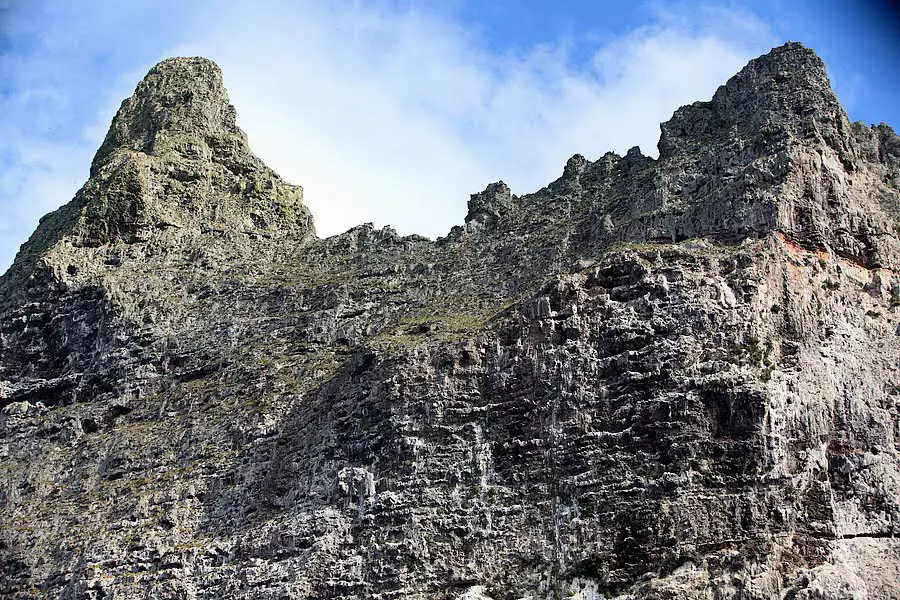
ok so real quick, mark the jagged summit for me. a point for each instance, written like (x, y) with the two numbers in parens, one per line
(180, 101)
(186, 164)
(174, 174)
(174, 158)
(772, 151)
(783, 79)
(784, 92)
(654, 379)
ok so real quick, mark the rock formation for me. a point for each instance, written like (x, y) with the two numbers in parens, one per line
(654, 378)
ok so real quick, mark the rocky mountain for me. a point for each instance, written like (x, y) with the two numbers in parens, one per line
(654, 378)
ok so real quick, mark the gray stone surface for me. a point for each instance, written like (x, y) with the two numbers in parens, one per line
(670, 378)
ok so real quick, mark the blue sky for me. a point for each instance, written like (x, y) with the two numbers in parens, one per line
(859, 40)
(395, 111)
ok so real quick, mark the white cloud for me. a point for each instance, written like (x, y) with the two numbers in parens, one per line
(396, 115)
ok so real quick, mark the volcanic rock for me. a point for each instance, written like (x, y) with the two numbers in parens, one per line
(653, 378)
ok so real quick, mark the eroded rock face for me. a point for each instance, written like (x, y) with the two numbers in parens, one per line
(174, 176)
(672, 378)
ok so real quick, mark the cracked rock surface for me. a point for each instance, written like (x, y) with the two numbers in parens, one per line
(653, 378)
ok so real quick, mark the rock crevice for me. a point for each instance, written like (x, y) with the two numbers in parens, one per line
(670, 378)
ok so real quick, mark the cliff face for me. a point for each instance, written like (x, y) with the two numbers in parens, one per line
(671, 378)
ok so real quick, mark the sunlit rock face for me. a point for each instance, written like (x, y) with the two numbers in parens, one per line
(671, 378)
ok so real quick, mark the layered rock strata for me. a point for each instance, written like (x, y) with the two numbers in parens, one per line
(654, 378)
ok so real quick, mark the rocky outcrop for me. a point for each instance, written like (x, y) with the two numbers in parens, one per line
(174, 175)
(669, 378)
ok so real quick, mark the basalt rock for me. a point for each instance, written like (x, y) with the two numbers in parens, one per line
(654, 378)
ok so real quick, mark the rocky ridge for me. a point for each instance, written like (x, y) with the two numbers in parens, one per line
(669, 378)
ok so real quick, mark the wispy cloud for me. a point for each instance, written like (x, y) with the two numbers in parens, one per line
(385, 114)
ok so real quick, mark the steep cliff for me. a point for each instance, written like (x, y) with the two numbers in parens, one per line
(654, 378)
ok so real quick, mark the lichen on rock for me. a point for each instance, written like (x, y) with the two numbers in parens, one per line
(653, 378)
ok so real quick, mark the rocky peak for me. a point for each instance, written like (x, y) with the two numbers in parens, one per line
(783, 94)
(174, 174)
(575, 166)
(489, 205)
(789, 78)
(670, 378)
(181, 100)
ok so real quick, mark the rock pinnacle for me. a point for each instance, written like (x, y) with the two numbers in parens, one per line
(179, 98)
(174, 173)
